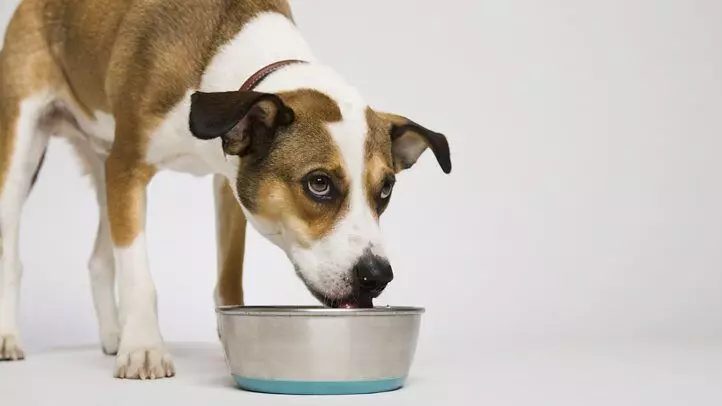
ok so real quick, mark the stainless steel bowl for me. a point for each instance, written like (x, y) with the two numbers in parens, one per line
(318, 350)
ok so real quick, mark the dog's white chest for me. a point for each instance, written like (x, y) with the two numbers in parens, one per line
(185, 163)
(173, 147)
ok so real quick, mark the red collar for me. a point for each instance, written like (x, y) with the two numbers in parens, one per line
(257, 77)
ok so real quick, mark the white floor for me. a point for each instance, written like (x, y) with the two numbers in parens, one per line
(624, 374)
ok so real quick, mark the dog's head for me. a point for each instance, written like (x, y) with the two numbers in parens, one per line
(314, 176)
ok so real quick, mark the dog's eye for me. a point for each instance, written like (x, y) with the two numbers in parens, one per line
(319, 186)
(387, 189)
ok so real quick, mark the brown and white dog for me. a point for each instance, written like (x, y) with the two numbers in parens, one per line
(139, 86)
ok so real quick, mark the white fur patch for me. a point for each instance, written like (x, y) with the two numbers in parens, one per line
(136, 287)
(102, 265)
(268, 38)
(97, 132)
(142, 351)
(28, 147)
(173, 147)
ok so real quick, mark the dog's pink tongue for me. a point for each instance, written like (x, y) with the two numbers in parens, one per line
(362, 303)
(349, 305)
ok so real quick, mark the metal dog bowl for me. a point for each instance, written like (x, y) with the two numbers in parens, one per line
(318, 350)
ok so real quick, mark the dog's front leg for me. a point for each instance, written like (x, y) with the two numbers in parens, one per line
(142, 353)
(231, 235)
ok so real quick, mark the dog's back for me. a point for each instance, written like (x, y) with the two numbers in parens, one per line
(91, 41)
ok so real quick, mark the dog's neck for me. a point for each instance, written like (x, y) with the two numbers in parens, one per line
(268, 38)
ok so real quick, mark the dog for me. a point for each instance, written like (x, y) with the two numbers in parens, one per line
(227, 88)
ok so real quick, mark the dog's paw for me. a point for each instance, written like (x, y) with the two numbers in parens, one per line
(110, 341)
(144, 363)
(10, 349)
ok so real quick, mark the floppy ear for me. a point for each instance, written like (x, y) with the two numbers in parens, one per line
(409, 140)
(246, 121)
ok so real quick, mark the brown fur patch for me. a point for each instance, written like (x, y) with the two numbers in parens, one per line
(8, 119)
(271, 186)
(93, 40)
(379, 161)
(305, 219)
(231, 231)
(127, 182)
(311, 104)
(293, 156)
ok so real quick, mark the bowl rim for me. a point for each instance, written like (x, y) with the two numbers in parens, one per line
(277, 310)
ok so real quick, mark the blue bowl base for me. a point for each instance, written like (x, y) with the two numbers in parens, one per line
(318, 388)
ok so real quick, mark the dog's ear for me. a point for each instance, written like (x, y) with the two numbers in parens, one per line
(246, 121)
(409, 140)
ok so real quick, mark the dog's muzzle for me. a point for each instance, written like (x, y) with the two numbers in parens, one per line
(367, 279)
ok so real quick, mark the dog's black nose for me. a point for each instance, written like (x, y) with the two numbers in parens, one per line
(373, 273)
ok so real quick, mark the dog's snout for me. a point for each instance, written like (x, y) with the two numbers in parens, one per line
(373, 273)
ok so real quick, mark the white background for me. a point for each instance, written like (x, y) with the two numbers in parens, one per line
(585, 201)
